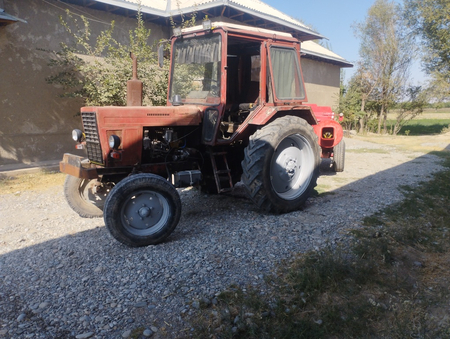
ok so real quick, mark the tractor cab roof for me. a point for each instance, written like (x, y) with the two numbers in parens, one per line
(261, 33)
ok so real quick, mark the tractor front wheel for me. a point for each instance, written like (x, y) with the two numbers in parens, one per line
(281, 164)
(339, 157)
(142, 210)
(85, 196)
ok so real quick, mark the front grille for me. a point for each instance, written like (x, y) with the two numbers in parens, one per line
(94, 149)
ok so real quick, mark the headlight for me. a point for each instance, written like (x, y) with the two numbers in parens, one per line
(114, 142)
(77, 135)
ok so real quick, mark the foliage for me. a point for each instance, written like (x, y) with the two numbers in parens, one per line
(381, 79)
(98, 72)
(430, 20)
(411, 108)
(184, 21)
(386, 55)
(350, 103)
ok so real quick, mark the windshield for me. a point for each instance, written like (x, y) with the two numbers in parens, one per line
(196, 70)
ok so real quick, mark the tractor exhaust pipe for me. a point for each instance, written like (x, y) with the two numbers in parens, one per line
(134, 86)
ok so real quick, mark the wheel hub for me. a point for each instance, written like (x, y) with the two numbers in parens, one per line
(144, 211)
(291, 168)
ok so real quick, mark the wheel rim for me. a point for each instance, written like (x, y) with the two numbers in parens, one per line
(88, 193)
(145, 213)
(292, 167)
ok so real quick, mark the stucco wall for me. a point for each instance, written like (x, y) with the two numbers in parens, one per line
(36, 123)
(322, 81)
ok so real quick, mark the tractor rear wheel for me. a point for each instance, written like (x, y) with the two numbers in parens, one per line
(142, 210)
(281, 165)
(339, 157)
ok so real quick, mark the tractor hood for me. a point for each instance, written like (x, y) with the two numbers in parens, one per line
(115, 116)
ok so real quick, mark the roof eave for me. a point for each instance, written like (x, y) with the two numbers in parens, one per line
(326, 58)
(135, 7)
(303, 32)
(6, 19)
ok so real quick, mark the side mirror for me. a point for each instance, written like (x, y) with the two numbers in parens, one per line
(161, 55)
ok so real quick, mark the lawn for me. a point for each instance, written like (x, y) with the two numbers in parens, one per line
(423, 126)
(427, 123)
(390, 281)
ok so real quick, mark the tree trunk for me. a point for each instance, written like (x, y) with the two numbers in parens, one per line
(380, 118)
(362, 119)
(361, 124)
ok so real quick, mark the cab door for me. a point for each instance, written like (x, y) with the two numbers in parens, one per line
(285, 79)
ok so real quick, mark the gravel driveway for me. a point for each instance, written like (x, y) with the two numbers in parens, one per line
(63, 276)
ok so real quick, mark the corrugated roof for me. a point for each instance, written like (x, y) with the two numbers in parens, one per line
(238, 27)
(314, 49)
(167, 8)
(8, 18)
(254, 5)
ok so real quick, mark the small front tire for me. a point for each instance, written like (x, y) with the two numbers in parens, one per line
(142, 210)
(339, 157)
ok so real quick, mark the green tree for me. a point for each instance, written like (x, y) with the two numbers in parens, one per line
(350, 104)
(386, 52)
(408, 110)
(430, 20)
(98, 71)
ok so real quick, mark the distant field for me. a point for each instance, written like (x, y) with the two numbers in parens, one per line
(431, 121)
(423, 126)
(443, 113)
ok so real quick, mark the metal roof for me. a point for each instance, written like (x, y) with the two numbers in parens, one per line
(237, 28)
(253, 13)
(6, 18)
(315, 51)
(246, 11)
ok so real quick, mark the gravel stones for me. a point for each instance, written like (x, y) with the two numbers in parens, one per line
(65, 276)
(147, 333)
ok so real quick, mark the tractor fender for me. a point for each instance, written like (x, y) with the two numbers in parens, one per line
(330, 133)
(267, 113)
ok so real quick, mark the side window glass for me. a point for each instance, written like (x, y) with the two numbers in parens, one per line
(256, 67)
(286, 74)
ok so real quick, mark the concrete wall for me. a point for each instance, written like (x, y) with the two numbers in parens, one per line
(322, 82)
(36, 123)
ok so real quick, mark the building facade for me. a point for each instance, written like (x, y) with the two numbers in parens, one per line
(37, 121)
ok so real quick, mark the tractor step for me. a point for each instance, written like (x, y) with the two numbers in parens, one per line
(224, 182)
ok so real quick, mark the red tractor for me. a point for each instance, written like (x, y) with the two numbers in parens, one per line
(235, 112)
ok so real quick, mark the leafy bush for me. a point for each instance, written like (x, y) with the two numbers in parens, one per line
(98, 72)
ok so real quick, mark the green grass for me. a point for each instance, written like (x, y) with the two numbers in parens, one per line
(423, 126)
(389, 281)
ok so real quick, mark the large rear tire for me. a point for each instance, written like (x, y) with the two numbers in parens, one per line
(281, 165)
(339, 157)
(85, 196)
(142, 210)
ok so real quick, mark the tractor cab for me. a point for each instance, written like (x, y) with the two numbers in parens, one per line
(237, 72)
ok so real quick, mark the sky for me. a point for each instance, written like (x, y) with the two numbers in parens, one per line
(335, 19)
